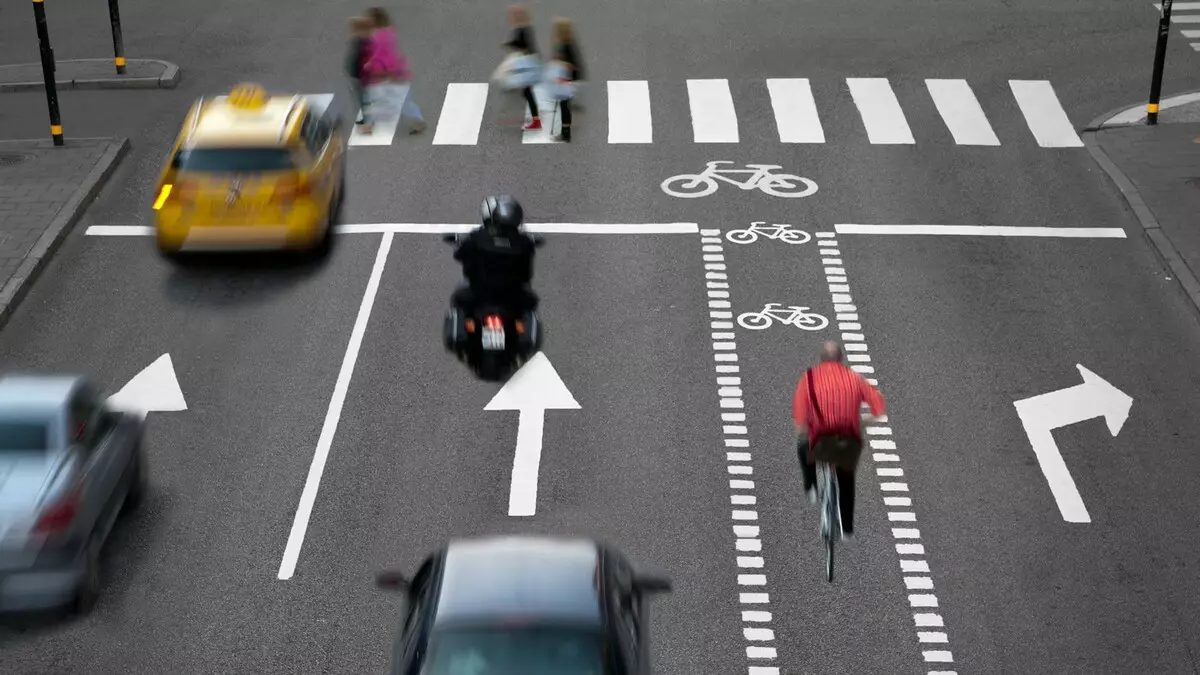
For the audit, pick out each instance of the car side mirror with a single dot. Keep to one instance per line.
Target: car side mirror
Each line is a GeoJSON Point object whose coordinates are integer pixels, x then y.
{"type": "Point", "coordinates": [650, 584]}
{"type": "Point", "coordinates": [450, 238]}
{"type": "Point", "coordinates": [391, 580]}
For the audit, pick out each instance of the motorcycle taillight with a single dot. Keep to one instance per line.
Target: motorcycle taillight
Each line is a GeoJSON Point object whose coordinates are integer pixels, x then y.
{"type": "Point", "coordinates": [493, 322]}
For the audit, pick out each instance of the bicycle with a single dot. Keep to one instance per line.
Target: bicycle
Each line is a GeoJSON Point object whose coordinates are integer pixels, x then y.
{"type": "Point", "coordinates": [799, 317]}
{"type": "Point", "coordinates": [705, 183]}
{"type": "Point", "coordinates": [777, 231]}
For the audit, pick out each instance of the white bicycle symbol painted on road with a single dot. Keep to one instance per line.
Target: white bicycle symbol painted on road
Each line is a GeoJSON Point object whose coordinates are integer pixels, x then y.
{"type": "Point", "coordinates": [778, 231]}
{"type": "Point", "coordinates": [799, 317]}
{"type": "Point", "coordinates": [692, 185]}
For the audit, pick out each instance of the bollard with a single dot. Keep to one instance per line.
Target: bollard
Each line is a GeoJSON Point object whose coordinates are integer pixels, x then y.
{"type": "Point", "coordinates": [1160, 56]}
{"type": "Point", "coordinates": [39, 15]}
{"type": "Point", "coordinates": [114, 17]}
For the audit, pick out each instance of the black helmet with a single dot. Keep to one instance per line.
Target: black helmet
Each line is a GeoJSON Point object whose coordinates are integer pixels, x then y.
{"type": "Point", "coordinates": [502, 214]}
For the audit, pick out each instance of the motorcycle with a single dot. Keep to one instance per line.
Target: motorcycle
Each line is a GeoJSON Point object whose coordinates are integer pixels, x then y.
{"type": "Point", "coordinates": [491, 340]}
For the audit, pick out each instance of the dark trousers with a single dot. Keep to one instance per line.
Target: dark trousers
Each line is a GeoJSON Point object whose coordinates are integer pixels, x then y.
{"type": "Point", "coordinates": [845, 484]}
{"type": "Point", "coordinates": [527, 92]}
{"type": "Point", "coordinates": [565, 106]}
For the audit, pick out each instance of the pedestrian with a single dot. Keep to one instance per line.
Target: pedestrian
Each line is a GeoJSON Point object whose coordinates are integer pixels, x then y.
{"type": "Point", "coordinates": [827, 410]}
{"type": "Point", "coordinates": [521, 42]}
{"type": "Point", "coordinates": [360, 34]}
{"type": "Point", "coordinates": [387, 72]}
{"type": "Point", "coordinates": [566, 57]}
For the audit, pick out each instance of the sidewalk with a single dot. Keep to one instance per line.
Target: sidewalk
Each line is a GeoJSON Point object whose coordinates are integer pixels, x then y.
{"type": "Point", "coordinates": [43, 192]}
{"type": "Point", "coordinates": [1158, 170]}
{"type": "Point", "coordinates": [92, 74]}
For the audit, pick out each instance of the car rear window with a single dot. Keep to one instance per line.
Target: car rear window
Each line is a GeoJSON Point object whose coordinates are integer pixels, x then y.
{"type": "Point", "coordinates": [24, 436]}
{"type": "Point", "coordinates": [233, 160]}
{"type": "Point", "coordinates": [503, 651]}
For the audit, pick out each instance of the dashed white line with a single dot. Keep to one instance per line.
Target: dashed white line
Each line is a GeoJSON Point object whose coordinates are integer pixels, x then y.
{"type": "Point", "coordinates": [914, 568]}
{"type": "Point", "coordinates": [756, 631]}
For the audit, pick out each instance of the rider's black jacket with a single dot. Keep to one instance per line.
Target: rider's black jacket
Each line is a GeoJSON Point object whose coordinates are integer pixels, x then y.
{"type": "Point", "coordinates": [494, 263]}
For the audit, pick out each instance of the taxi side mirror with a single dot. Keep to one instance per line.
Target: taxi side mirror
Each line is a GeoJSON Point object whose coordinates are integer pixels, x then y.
{"type": "Point", "coordinates": [650, 584]}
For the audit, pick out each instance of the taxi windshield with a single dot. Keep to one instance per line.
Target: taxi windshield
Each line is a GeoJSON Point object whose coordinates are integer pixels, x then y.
{"type": "Point", "coordinates": [524, 651]}
{"type": "Point", "coordinates": [234, 160]}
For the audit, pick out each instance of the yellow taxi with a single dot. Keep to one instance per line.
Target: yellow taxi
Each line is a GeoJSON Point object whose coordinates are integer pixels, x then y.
{"type": "Point", "coordinates": [253, 171]}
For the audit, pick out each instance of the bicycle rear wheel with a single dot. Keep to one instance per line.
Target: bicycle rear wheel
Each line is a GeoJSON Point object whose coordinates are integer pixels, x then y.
{"type": "Point", "coordinates": [831, 523]}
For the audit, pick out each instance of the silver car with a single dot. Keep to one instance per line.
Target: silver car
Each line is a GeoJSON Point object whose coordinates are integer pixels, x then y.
{"type": "Point", "coordinates": [69, 465]}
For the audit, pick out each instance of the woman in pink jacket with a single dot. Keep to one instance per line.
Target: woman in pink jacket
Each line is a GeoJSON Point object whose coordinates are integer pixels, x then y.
{"type": "Point", "coordinates": [386, 69]}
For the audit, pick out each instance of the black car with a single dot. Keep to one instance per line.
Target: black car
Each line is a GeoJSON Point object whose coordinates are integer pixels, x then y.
{"type": "Point", "coordinates": [523, 605]}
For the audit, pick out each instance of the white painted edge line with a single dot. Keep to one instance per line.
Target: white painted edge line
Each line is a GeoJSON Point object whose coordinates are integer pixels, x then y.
{"type": "Point", "coordinates": [447, 228]}
{"type": "Point", "coordinates": [333, 415]}
{"type": "Point", "coordinates": [914, 568]}
{"type": "Point", "coordinates": [753, 597]}
{"type": "Point", "coordinates": [1136, 114]}
{"type": "Point", "coordinates": [986, 231]}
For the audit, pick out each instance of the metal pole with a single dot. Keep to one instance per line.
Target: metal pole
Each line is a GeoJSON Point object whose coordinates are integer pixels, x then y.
{"type": "Point", "coordinates": [39, 15]}
{"type": "Point", "coordinates": [114, 17]}
{"type": "Point", "coordinates": [1160, 55]}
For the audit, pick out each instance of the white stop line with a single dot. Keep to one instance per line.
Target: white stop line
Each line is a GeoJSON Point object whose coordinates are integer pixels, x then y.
{"type": "Point", "coordinates": [448, 228]}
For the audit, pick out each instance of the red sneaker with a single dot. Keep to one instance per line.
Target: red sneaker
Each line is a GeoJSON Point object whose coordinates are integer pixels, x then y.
{"type": "Point", "coordinates": [534, 124]}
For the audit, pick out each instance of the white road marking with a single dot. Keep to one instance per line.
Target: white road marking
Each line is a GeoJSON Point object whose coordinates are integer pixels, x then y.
{"type": "Point", "coordinates": [714, 119]}
{"type": "Point", "coordinates": [1044, 114]}
{"type": "Point", "coordinates": [447, 228]}
{"type": "Point", "coordinates": [915, 567]}
{"type": "Point", "coordinates": [462, 114]}
{"type": "Point", "coordinates": [986, 231]}
{"type": "Point", "coordinates": [548, 112]}
{"type": "Point", "coordinates": [745, 528]}
{"type": "Point", "coordinates": [1178, 6]}
{"type": "Point", "coordinates": [961, 112]}
{"type": "Point", "coordinates": [1190, 18]}
{"type": "Point", "coordinates": [795, 110]}
{"type": "Point", "coordinates": [629, 119]}
{"type": "Point", "coordinates": [333, 415]}
{"type": "Point", "coordinates": [880, 111]}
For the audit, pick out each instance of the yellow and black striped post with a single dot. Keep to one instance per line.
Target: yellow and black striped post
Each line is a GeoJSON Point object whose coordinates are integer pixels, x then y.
{"type": "Point", "coordinates": [114, 17]}
{"type": "Point", "coordinates": [1160, 56]}
{"type": "Point", "coordinates": [39, 15]}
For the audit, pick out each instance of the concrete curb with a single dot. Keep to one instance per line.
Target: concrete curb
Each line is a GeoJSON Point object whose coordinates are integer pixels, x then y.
{"type": "Point", "coordinates": [35, 261]}
{"type": "Point", "coordinates": [168, 80]}
{"type": "Point", "coordinates": [1153, 231]}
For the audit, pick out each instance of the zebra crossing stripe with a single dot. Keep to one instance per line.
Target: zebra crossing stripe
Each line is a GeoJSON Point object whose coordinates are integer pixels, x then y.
{"type": "Point", "coordinates": [795, 110]}
{"type": "Point", "coordinates": [714, 119]}
{"type": "Point", "coordinates": [629, 118]}
{"type": "Point", "coordinates": [462, 114]}
{"type": "Point", "coordinates": [880, 111]}
{"type": "Point", "coordinates": [961, 112]}
{"type": "Point", "coordinates": [1044, 114]}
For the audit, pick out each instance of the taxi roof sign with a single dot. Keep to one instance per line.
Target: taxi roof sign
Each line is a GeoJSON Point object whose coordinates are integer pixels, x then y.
{"type": "Point", "coordinates": [248, 96]}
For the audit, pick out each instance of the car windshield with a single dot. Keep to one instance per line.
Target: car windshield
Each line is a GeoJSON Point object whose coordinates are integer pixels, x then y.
{"type": "Point", "coordinates": [522, 651]}
{"type": "Point", "coordinates": [24, 436]}
{"type": "Point", "coordinates": [234, 160]}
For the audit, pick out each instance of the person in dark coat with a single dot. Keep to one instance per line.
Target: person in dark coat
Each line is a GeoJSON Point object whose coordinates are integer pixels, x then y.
{"type": "Point", "coordinates": [566, 52]}
{"type": "Point", "coordinates": [521, 41]}
{"type": "Point", "coordinates": [360, 33]}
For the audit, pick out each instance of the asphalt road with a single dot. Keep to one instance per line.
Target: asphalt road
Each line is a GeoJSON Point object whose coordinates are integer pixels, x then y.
{"type": "Point", "coordinates": [958, 328]}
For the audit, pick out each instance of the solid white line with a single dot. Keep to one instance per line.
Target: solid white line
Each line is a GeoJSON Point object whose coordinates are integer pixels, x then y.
{"type": "Point", "coordinates": [987, 231]}
{"type": "Point", "coordinates": [447, 228]}
{"type": "Point", "coordinates": [714, 119]}
{"type": "Point", "coordinates": [1044, 114]}
{"type": "Point", "coordinates": [961, 112]}
{"type": "Point", "coordinates": [325, 441]}
{"type": "Point", "coordinates": [1179, 6]}
{"type": "Point", "coordinates": [462, 114]}
{"type": "Point", "coordinates": [1191, 18]}
{"type": "Point", "coordinates": [880, 111]}
{"type": "Point", "coordinates": [795, 110]}
{"type": "Point", "coordinates": [629, 119]}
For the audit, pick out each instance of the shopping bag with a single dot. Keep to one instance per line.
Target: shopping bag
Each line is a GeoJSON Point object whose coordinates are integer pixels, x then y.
{"type": "Point", "coordinates": [524, 70]}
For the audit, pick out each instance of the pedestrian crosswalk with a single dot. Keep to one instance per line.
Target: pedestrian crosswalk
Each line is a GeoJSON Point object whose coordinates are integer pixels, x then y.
{"type": "Point", "coordinates": [796, 114]}
{"type": "Point", "coordinates": [1186, 15]}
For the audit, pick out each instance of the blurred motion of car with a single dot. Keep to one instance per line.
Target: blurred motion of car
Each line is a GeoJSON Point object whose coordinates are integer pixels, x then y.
{"type": "Point", "coordinates": [523, 605]}
{"type": "Point", "coordinates": [251, 171]}
{"type": "Point", "coordinates": [69, 465]}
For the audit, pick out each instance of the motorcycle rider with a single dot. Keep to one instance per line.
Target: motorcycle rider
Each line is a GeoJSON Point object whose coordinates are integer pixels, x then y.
{"type": "Point", "coordinates": [497, 261]}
